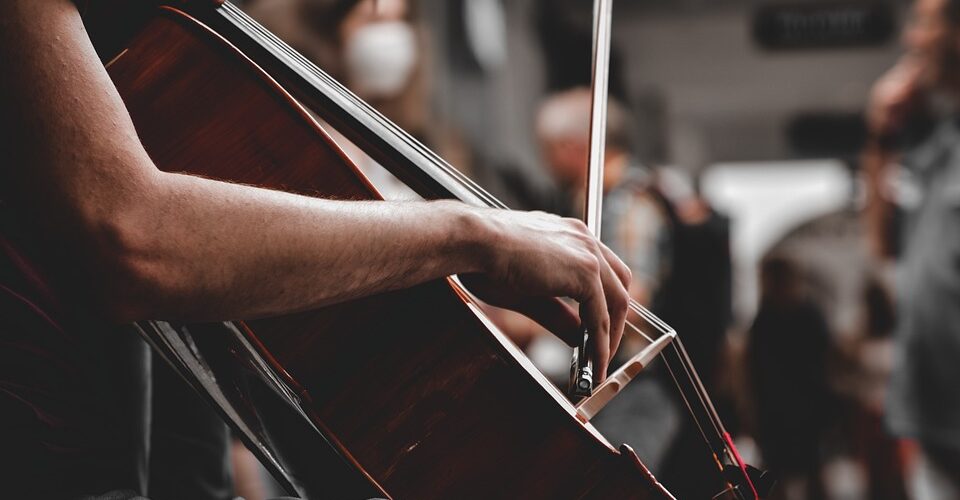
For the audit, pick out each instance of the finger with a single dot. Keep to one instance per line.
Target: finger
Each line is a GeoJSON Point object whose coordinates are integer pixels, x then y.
{"type": "Point", "coordinates": [617, 298]}
{"type": "Point", "coordinates": [619, 267]}
{"type": "Point", "coordinates": [618, 321]}
{"type": "Point", "coordinates": [596, 319]}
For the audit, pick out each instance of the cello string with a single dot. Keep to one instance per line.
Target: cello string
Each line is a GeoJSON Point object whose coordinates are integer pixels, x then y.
{"type": "Point", "coordinates": [717, 447]}
{"type": "Point", "coordinates": [718, 444]}
{"type": "Point", "coordinates": [270, 40]}
{"type": "Point", "coordinates": [278, 44]}
{"type": "Point", "coordinates": [399, 133]}
{"type": "Point", "coordinates": [650, 339]}
{"type": "Point", "coordinates": [691, 373]}
{"type": "Point", "coordinates": [255, 30]}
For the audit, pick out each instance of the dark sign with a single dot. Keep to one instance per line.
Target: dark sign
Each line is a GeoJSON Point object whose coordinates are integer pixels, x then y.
{"type": "Point", "coordinates": [823, 25]}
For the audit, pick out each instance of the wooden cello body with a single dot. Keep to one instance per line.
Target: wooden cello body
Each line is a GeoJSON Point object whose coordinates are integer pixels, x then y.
{"type": "Point", "coordinates": [410, 394]}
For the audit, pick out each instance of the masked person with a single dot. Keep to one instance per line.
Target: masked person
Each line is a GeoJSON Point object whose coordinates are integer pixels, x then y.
{"type": "Point", "coordinates": [372, 47]}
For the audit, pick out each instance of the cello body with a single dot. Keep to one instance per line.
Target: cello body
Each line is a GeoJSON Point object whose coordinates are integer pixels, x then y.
{"type": "Point", "coordinates": [409, 394]}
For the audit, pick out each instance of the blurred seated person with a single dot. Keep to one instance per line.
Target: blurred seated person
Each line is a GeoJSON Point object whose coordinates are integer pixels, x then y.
{"type": "Point", "coordinates": [633, 223]}
{"type": "Point", "coordinates": [924, 401]}
{"type": "Point", "coordinates": [634, 226]}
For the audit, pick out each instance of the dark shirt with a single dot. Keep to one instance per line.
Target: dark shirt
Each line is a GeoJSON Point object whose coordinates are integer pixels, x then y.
{"type": "Point", "coordinates": [787, 358]}
{"type": "Point", "coordinates": [77, 393]}
{"type": "Point", "coordinates": [71, 388]}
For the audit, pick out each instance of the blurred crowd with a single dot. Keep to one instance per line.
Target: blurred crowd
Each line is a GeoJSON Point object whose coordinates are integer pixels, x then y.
{"type": "Point", "coordinates": [844, 382]}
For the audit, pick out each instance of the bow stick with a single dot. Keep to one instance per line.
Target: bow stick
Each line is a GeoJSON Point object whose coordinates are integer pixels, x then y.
{"type": "Point", "coordinates": [581, 380]}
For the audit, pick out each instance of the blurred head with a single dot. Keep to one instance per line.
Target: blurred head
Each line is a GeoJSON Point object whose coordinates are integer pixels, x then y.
{"type": "Point", "coordinates": [379, 48]}
{"type": "Point", "coordinates": [933, 38]}
{"type": "Point", "coordinates": [780, 280]}
{"type": "Point", "coordinates": [563, 132]}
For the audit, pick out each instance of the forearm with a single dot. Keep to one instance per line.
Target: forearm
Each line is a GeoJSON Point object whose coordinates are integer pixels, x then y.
{"type": "Point", "coordinates": [875, 163]}
{"type": "Point", "coordinates": [207, 250]}
{"type": "Point", "coordinates": [138, 243]}
{"type": "Point", "coordinates": [148, 244]}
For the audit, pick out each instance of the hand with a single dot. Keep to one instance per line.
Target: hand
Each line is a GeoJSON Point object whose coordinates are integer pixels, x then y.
{"type": "Point", "coordinates": [535, 257]}
{"type": "Point", "coordinates": [894, 96]}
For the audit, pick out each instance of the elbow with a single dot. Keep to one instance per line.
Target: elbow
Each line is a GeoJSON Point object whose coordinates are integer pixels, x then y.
{"type": "Point", "coordinates": [126, 281]}
{"type": "Point", "coordinates": [126, 276]}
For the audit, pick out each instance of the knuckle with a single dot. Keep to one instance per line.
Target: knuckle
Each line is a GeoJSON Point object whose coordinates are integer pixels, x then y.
{"type": "Point", "coordinates": [592, 243]}
{"type": "Point", "coordinates": [619, 301]}
{"type": "Point", "coordinates": [585, 240]}
{"type": "Point", "coordinates": [577, 225]}
{"type": "Point", "coordinates": [590, 264]}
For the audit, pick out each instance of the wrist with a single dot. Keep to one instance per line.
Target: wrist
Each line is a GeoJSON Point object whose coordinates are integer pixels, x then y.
{"type": "Point", "coordinates": [471, 235]}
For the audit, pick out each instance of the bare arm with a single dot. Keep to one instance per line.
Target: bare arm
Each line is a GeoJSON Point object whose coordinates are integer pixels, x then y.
{"type": "Point", "coordinates": [892, 100]}
{"type": "Point", "coordinates": [875, 163]}
{"type": "Point", "coordinates": [151, 244]}
{"type": "Point", "coordinates": [182, 246]}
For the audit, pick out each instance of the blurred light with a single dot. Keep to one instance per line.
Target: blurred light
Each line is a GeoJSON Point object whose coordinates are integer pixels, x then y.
{"type": "Point", "coordinates": [766, 200]}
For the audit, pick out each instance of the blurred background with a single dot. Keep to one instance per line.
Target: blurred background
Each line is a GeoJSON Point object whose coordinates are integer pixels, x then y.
{"type": "Point", "coordinates": [747, 185]}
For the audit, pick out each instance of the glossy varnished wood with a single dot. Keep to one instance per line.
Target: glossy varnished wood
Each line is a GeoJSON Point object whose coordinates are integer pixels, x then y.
{"type": "Point", "coordinates": [412, 384]}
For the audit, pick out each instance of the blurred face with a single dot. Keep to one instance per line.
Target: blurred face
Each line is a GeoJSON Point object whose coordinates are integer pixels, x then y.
{"type": "Point", "coordinates": [567, 161]}
{"type": "Point", "coordinates": [379, 48]}
{"type": "Point", "coordinates": [935, 43]}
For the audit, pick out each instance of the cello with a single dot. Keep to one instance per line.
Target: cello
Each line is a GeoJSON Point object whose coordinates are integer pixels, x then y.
{"type": "Point", "coordinates": [408, 394]}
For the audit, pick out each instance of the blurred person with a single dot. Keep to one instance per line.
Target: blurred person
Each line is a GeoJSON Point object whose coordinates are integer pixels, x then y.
{"type": "Point", "coordinates": [881, 453]}
{"type": "Point", "coordinates": [924, 399]}
{"type": "Point", "coordinates": [860, 455]}
{"type": "Point", "coordinates": [373, 47]}
{"type": "Point", "coordinates": [700, 278]}
{"type": "Point", "coordinates": [633, 225]}
{"type": "Point", "coordinates": [786, 358]}
{"type": "Point", "coordinates": [696, 300]}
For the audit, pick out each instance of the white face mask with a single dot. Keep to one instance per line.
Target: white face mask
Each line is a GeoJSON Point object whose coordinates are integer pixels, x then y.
{"type": "Point", "coordinates": [380, 58]}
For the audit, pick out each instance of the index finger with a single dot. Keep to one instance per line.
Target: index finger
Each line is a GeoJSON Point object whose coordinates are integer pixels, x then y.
{"type": "Point", "coordinates": [595, 317]}
{"type": "Point", "coordinates": [621, 269]}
